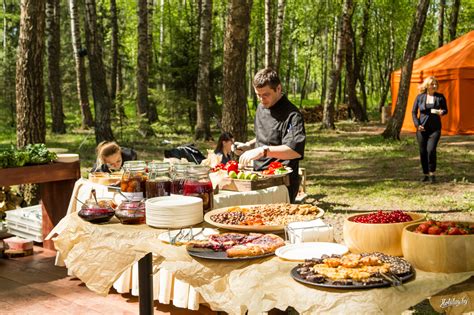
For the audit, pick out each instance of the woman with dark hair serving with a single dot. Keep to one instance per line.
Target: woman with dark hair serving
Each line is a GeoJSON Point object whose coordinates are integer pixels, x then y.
{"type": "Point", "coordinates": [224, 147]}
{"type": "Point", "coordinates": [431, 106]}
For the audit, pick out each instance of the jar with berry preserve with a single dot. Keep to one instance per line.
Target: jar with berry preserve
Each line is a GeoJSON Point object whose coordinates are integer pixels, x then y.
{"type": "Point", "coordinates": [199, 184]}
{"type": "Point", "coordinates": [133, 182]}
{"type": "Point", "coordinates": [159, 180]}
{"type": "Point", "coordinates": [178, 177]}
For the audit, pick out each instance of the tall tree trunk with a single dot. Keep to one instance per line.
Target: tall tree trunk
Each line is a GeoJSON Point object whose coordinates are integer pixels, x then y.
{"type": "Point", "coordinates": [324, 62]}
{"type": "Point", "coordinates": [79, 54]}
{"type": "Point", "coordinates": [389, 66]}
{"type": "Point", "coordinates": [162, 38]}
{"type": "Point", "coordinates": [453, 23]}
{"type": "Point", "coordinates": [142, 70]}
{"type": "Point", "coordinates": [335, 74]}
{"type": "Point", "coordinates": [279, 33]}
{"type": "Point", "coordinates": [442, 5]}
{"type": "Point", "coordinates": [151, 111]}
{"type": "Point", "coordinates": [30, 109]}
{"type": "Point", "coordinates": [395, 123]}
{"type": "Point", "coordinates": [359, 56]}
{"type": "Point", "coordinates": [53, 44]}
{"type": "Point", "coordinates": [203, 130]}
{"type": "Point", "coordinates": [352, 70]}
{"type": "Point", "coordinates": [268, 35]}
{"type": "Point", "coordinates": [114, 43]}
{"type": "Point", "coordinates": [100, 92]}
{"type": "Point", "coordinates": [234, 111]}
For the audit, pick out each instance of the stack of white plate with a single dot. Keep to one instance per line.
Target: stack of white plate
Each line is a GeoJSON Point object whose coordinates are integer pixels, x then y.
{"type": "Point", "coordinates": [173, 211]}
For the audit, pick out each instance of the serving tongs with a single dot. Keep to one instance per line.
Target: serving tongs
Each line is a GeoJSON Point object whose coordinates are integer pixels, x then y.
{"type": "Point", "coordinates": [185, 235]}
{"type": "Point", "coordinates": [395, 280]}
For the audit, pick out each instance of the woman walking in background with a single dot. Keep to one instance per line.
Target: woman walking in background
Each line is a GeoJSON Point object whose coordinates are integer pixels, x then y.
{"type": "Point", "coordinates": [431, 106]}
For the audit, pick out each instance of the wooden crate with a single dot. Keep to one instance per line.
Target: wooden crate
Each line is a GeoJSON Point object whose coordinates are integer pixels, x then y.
{"type": "Point", "coordinates": [248, 185]}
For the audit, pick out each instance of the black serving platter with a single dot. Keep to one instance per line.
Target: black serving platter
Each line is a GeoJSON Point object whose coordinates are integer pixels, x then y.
{"type": "Point", "coordinates": [295, 275]}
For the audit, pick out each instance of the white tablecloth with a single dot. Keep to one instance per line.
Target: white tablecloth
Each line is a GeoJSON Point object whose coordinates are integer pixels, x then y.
{"type": "Point", "coordinates": [166, 287]}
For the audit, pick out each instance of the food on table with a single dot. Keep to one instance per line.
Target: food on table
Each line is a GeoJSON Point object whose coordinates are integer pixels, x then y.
{"type": "Point", "coordinates": [99, 212]}
{"type": "Point", "coordinates": [275, 168]}
{"type": "Point", "coordinates": [445, 228]}
{"type": "Point", "coordinates": [271, 214]}
{"type": "Point", "coordinates": [384, 217]}
{"type": "Point", "coordinates": [353, 269]}
{"type": "Point", "coordinates": [240, 245]}
{"type": "Point", "coordinates": [133, 182]}
{"type": "Point", "coordinates": [198, 184]}
{"type": "Point", "coordinates": [131, 212]}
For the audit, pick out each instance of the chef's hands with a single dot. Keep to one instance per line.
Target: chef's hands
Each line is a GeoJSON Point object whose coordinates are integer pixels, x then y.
{"type": "Point", "coordinates": [239, 147]}
{"type": "Point", "coordinates": [250, 155]}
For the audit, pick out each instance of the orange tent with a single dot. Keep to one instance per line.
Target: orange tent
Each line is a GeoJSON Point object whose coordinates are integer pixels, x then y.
{"type": "Point", "coordinates": [453, 66]}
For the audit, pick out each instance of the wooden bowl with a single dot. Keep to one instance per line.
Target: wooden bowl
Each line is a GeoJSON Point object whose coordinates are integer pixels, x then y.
{"type": "Point", "coordinates": [376, 237]}
{"type": "Point", "coordinates": [438, 253]}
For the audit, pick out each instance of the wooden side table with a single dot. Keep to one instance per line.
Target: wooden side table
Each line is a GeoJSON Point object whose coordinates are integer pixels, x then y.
{"type": "Point", "coordinates": [56, 185]}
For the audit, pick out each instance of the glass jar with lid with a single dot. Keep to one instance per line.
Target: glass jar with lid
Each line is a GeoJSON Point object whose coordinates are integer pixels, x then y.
{"type": "Point", "coordinates": [133, 182]}
{"type": "Point", "coordinates": [159, 180]}
{"type": "Point", "coordinates": [178, 178]}
{"type": "Point", "coordinates": [199, 184]}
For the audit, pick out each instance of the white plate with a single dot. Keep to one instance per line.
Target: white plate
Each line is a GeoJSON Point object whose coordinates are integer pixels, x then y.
{"type": "Point", "coordinates": [67, 157]}
{"type": "Point", "coordinates": [201, 234]}
{"type": "Point", "coordinates": [302, 251]}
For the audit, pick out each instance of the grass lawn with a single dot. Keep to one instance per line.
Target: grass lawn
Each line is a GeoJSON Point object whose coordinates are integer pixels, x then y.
{"type": "Point", "coordinates": [351, 168]}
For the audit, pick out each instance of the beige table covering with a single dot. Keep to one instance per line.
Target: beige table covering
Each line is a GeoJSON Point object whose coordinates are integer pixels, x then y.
{"type": "Point", "coordinates": [99, 254]}
{"type": "Point", "coordinates": [167, 289]}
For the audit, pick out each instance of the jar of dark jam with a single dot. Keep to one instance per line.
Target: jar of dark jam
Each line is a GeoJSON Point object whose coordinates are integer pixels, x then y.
{"type": "Point", "coordinates": [133, 182]}
{"type": "Point", "coordinates": [199, 184]}
{"type": "Point", "coordinates": [159, 180]}
{"type": "Point", "coordinates": [178, 177]}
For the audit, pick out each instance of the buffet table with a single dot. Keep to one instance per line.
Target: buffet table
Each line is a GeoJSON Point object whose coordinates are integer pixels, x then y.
{"type": "Point", "coordinates": [99, 255]}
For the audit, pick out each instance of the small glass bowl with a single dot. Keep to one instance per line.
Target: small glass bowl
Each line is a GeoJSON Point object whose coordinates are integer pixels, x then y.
{"type": "Point", "coordinates": [131, 212]}
{"type": "Point", "coordinates": [96, 213]}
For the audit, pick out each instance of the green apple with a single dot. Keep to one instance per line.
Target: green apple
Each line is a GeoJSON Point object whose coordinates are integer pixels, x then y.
{"type": "Point", "coordinates": [253, 177]}
{"type": "Point", "coordinates": [241, 175]}
{"type": "Point", "coordinates": [232, 174]}
{"type": "Point", "coordinates": [248, 175]}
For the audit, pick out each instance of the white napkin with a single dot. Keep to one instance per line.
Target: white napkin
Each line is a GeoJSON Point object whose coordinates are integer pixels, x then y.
{"type": "Point", "coordinates": [310, 231]}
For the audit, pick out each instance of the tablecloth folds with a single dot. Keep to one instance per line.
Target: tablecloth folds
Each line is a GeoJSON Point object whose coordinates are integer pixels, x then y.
{"type": "Point", "coordinates": [100, 254]}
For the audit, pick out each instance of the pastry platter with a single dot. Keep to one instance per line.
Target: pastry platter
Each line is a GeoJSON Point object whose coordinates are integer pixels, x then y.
{"type": "Point", "coordinates": [354, 271]}
{"type": "Point", "coordinates": [262, 218]}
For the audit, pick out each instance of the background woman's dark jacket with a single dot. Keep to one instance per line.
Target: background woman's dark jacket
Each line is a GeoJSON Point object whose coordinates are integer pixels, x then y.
{"type": "Point", "coordinates": [425, 113]}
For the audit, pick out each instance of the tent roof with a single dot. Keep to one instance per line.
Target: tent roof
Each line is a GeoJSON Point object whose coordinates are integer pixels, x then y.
{"type": "Point", "coordinates": [457, 54]}
{"type": "Point", "coordinates": [454, 58]}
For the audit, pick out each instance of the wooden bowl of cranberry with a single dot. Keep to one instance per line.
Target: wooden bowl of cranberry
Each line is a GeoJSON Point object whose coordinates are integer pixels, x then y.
{"type": "Point", "coordinates": [440, 246]}
{"type": "Point", "coordinates": [379, 231]}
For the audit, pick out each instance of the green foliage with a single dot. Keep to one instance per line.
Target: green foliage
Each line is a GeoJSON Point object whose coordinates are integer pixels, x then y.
{"type": "Point", "coordinates": [31, 154]}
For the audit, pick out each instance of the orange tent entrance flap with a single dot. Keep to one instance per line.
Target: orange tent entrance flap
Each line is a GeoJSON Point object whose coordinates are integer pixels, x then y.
{"type": "Point", "coordinates": [453, 66]}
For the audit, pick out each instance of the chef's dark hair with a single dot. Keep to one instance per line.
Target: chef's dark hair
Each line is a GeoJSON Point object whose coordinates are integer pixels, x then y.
{"type": "Point", "coordinates": [225, 136]}
{"type": "Point", "coordinates": [266, 77]}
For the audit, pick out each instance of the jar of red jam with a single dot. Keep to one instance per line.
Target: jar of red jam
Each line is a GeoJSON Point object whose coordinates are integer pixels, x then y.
{"type": "Point", "coordinates": [159, 180]}
{"type": "Point", "coordinates": [199, 184]}
{"type": "Point", "coordinates": [133, 182]}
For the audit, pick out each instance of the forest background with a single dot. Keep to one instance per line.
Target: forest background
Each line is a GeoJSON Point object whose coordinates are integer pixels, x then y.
{"type": "Point", "coordinates": [159, 73]}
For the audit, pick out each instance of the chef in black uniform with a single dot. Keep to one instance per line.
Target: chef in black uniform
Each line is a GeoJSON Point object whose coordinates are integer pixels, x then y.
{"type": "Point", "coordinates": [279, 130]}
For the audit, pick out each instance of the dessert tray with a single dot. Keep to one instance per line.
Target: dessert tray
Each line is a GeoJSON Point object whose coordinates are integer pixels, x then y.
{"type": "Point", "coordinates": [354, 271]}
{"type": "Point", "coordinates": [262, 218]}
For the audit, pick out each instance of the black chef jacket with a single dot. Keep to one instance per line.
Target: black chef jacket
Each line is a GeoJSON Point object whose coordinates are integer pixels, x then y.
{"type": "Point", "coordinates": [281, 124]}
